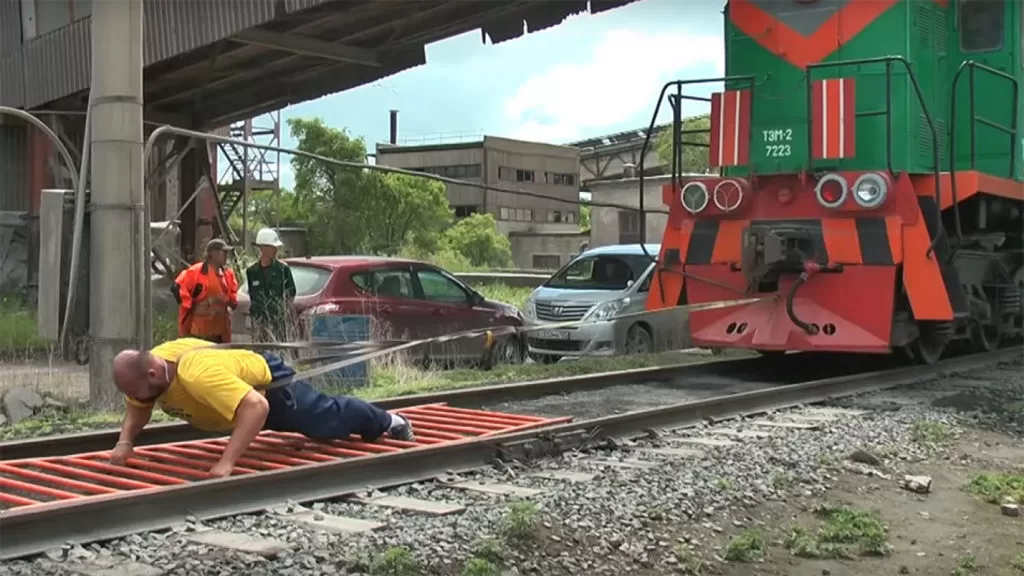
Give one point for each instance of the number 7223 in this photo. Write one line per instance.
(777, 142)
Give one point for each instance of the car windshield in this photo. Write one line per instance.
(601, 272)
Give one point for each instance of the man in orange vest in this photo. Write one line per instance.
(206, 292)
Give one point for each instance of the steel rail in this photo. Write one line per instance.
(35, 530)
(468, 397)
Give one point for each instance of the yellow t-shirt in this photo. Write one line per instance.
(208, 384)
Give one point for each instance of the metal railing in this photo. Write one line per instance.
(971, 66)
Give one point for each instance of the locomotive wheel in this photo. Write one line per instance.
(986, 337)
(928, 347)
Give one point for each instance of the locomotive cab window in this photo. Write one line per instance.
(982, 25)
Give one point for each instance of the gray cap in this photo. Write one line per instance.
(218, 244)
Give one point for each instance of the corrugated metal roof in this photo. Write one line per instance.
(10, 26)
(173, 27)
(14, 166)
(57, 64)
(11, 81)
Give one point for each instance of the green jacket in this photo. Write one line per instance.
(271, 290)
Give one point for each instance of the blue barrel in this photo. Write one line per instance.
(343, 329)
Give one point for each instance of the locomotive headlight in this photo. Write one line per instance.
(870, 190)
(695, 197)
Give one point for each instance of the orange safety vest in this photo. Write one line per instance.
(204, 296)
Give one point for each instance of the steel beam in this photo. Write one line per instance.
(308, 47)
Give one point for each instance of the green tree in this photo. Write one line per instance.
(584, 216)
(477, 239)
(404, 210)
(352, 210)
(694, 159)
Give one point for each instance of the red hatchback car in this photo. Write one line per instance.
(407, 300)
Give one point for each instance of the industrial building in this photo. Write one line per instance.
(543, 227)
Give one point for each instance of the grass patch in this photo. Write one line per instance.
(19, 332)
(1018, 562)
(965, 566)
(476, 566)
(391, 379)
(997, 487)
(514, 295)
(521, 522)
(690, 563)
(395, 561)
(749, 546)
(844, 533)
(925, 431)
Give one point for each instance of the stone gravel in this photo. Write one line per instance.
(622, 521)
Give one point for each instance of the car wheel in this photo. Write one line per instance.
(639, 340)
(507, 351)
(544, 358)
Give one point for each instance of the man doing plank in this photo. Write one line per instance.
(214, 389)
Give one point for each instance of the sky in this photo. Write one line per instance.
(589, 76)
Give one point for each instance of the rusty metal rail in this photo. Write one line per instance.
(37, 482)
(33, 528)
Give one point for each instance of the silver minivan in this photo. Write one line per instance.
(598, 287)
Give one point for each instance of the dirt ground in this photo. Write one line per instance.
(931, 535)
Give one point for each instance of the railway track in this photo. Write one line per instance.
(774, 370)
(33, 528)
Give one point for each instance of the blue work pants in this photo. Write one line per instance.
(299, 407)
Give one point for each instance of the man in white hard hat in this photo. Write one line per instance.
(271, 290)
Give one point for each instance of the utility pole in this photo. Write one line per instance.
(117, 190)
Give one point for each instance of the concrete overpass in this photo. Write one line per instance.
(604, 157)
(210, 63)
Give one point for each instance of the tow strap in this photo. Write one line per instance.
(339, 355)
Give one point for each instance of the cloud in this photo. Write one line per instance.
(620, 81)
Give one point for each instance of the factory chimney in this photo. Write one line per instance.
(394, 127)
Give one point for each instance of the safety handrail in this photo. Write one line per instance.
(971, 66)
(889, 61)
(675, 100)
(677, 143)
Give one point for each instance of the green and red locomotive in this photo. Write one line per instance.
(871, 180)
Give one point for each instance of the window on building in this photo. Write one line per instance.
(554, 216)
(982, 25)
(570, 217)
(518, 214)
(515, 174)
(560, 179)
(547, 262)
(629, 227)
(465, 211)
(454, 171)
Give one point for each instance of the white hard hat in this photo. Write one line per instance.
(268, 237)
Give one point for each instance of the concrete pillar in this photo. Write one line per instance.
(117, 188)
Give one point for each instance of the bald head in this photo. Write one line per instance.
(140, 375)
